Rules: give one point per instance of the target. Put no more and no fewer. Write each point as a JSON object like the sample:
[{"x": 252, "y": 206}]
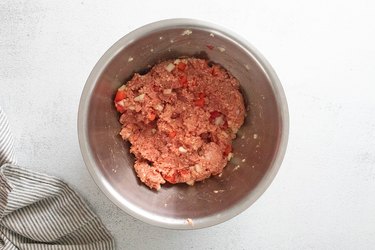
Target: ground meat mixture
[{"x": 180, "y": 119}]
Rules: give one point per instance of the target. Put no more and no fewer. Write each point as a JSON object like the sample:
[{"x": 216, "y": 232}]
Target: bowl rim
[{"x": 106, "y": 188}]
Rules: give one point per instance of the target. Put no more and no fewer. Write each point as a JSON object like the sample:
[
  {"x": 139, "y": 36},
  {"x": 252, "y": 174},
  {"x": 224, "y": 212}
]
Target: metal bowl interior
[{"x": 258, "y": 149}]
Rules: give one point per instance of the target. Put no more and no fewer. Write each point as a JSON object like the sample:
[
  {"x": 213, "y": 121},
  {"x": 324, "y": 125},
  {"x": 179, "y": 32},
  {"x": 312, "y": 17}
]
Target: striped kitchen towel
[
  {"x": 38, "y": 211},
  {"x": 6, "y": 141}
]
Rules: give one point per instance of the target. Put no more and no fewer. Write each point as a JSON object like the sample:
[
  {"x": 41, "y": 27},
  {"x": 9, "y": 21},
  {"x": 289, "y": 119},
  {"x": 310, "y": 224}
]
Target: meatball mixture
[{"x": 180, "y": 119}]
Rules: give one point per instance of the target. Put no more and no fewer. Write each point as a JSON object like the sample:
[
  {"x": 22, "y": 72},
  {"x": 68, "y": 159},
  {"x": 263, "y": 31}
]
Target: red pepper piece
[
  {"x": 225, "y": 125},
  {"x": 215, "y": 71},
  {"x": 214, "y": 114},
  {"x": 151, "y": 116},
  {"x": 227, "y": 149},
  {"x": 183, "y": 80},
  {"x": 182, "y": 172},
  {"x": 199, "y": 102},
  {"x": 172, "y": 134},
  {"x": 181, "y": 66},
  {"x": 170, "y": 177},
  {"x": 210, "y": 47},
  {"x": 120, "y": 95}
]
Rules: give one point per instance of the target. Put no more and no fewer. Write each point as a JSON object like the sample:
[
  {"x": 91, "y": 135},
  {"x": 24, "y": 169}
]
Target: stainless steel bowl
[{"x": 258, "y": 150}]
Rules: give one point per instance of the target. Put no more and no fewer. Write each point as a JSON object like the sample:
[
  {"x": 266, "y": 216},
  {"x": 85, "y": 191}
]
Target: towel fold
[{"x": 38, "y": 211}]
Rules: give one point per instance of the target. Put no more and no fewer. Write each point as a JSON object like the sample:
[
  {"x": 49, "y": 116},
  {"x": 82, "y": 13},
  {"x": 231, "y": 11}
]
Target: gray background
[{"x": 324, "y": 194}]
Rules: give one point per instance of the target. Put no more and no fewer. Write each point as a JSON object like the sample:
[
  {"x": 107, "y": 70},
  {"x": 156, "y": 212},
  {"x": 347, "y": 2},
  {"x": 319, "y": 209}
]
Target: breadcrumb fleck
[
  {"x": 221, "y": 49},
  {"x": 190, "y": 222},
  {"x": 218, "y": 191},
  {"x": 186, "y": 33},
  {"x": 230, "y": 156},
  {"x": 190, "y": 183}
]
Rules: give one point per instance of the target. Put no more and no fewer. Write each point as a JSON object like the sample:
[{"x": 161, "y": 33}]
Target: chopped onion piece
[
  {"x": 182, "y": 150},
  {"x": 224, "y": 134},
  {"x": 159, "y": 107},
  {"x": 191, "y": 183},
  {"x": 198, "y": 168},
  {"x": 131, "y": 107},
  {"x": 221, "y": 49},
  {"x": 219, "y": 120},
  {"x": 139, "y": 98},
  {"x": 170, "y": 67},
  {"x": 121, "y": 103},
  {"x": 177, "y": 61},
  {"x": 187, "y": 33},
  {"x": 167, "y": 91},
  {"x": 123, "y": 87},
  {"x": 125, "y": 133},
  {"x": 230, "y": 156}
]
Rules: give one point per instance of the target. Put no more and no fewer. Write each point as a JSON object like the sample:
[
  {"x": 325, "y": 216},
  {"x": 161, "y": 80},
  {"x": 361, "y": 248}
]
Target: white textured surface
[{"x": 324, "y": 54}]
